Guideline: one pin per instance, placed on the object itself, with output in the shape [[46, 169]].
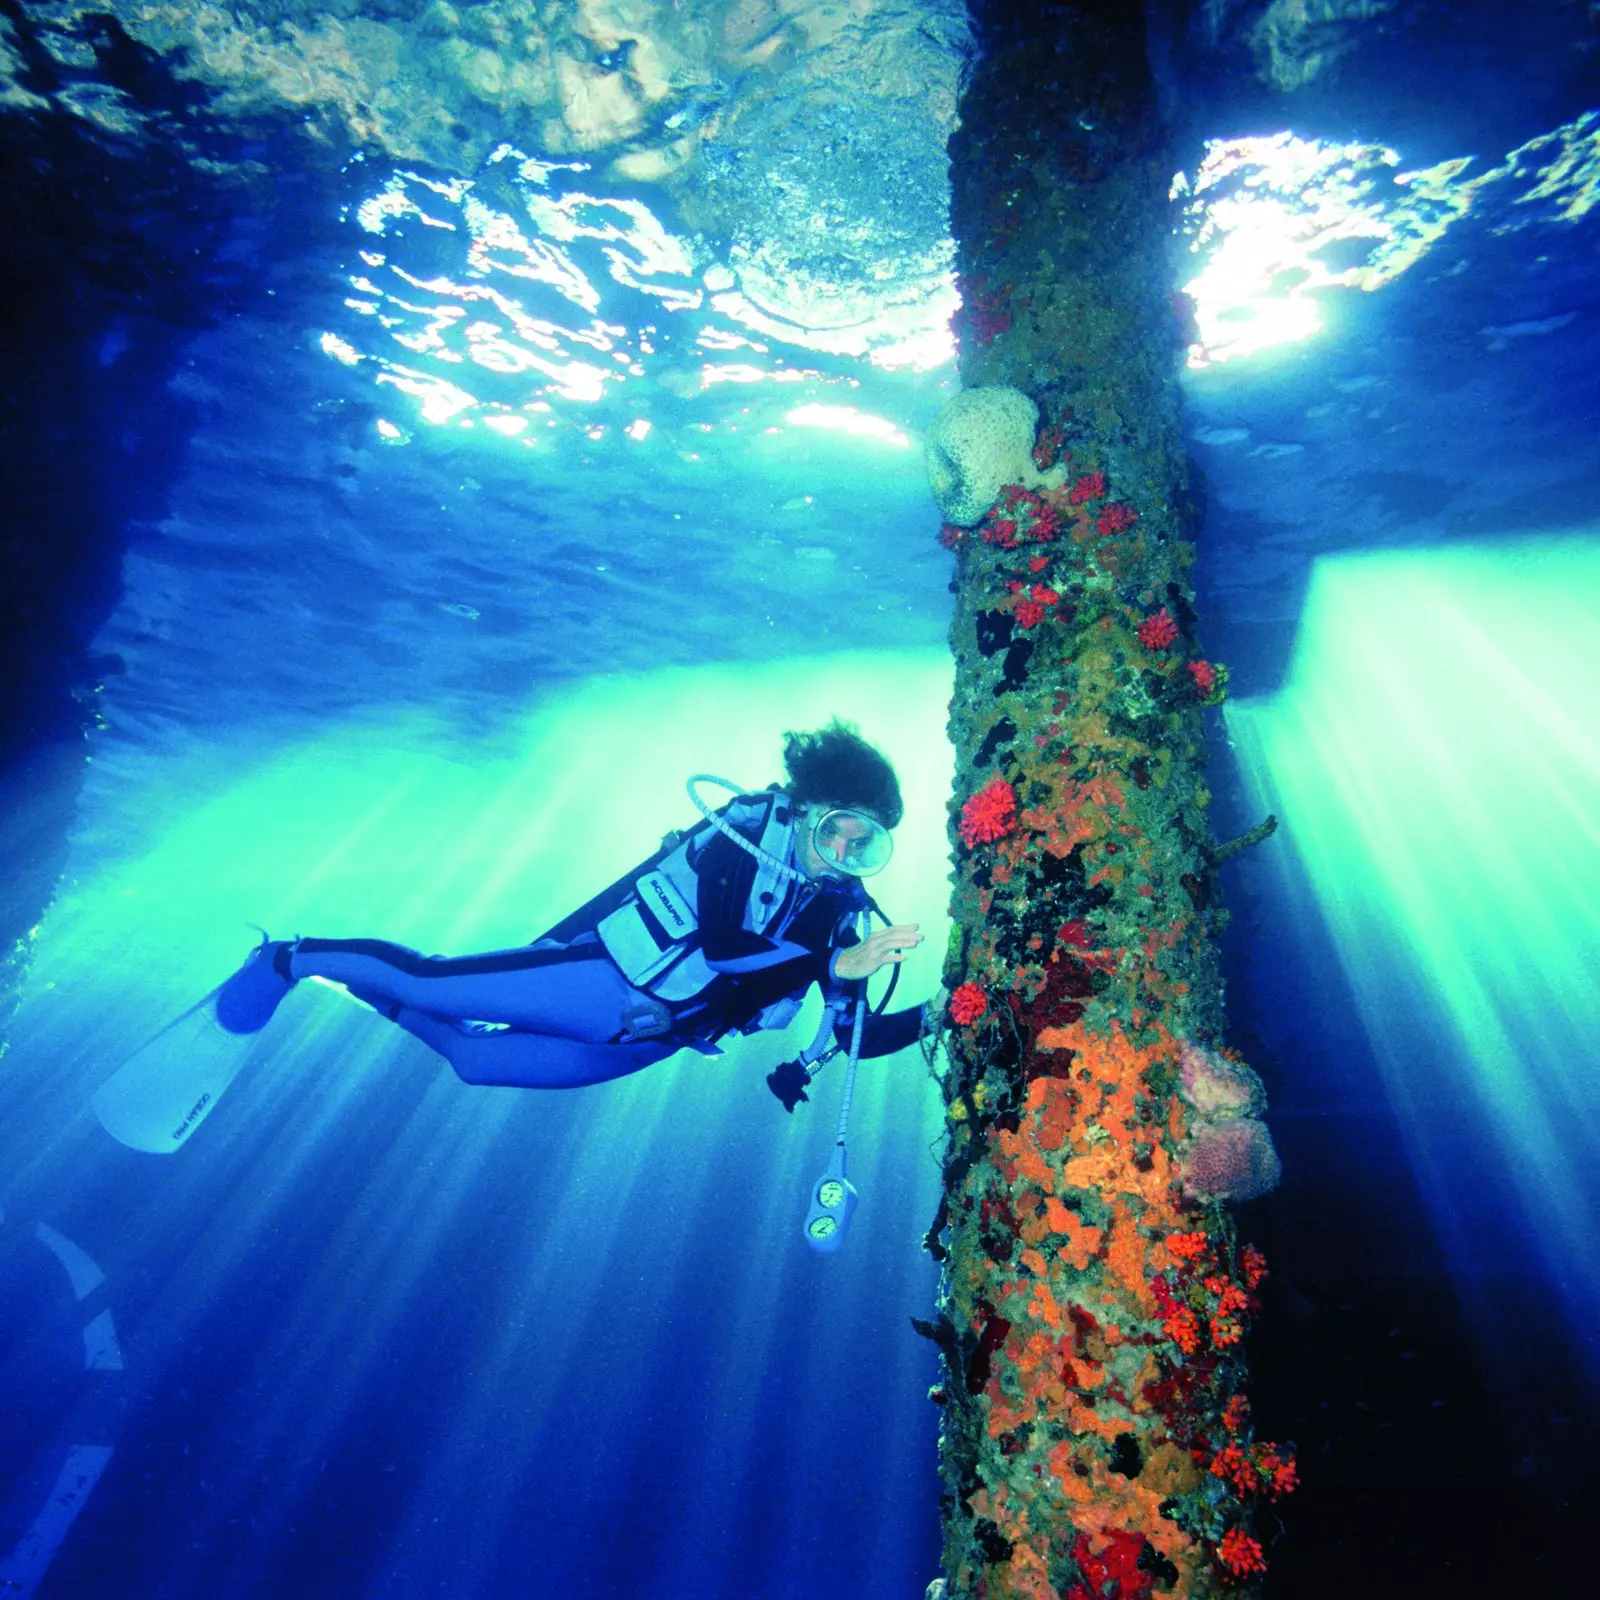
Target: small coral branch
[[1217, 854]]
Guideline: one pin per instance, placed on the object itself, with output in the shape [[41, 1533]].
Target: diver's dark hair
[[836, 766]]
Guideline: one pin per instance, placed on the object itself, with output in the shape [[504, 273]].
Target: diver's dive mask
[[851, 842]]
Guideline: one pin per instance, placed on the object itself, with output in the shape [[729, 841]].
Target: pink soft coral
[[1228, 1154], [1216, 1086], [1230, 1159]]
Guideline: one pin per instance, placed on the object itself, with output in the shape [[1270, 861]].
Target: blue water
[[464, 520]]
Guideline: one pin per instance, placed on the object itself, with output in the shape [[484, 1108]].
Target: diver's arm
[[882, 1035], [856, 958]]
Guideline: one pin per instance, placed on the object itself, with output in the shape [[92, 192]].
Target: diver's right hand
[[880, 949]]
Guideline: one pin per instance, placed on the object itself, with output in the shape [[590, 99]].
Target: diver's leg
[[573, 991], [512, 1058]]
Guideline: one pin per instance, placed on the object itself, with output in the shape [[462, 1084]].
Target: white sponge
[[981, 441]]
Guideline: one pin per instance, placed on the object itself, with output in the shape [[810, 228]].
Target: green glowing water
[[1435, 760]]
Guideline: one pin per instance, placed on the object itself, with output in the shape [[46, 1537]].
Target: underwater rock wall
[[1096, 1439], [114, 253]]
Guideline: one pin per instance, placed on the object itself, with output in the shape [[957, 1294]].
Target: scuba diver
[[725, 929]]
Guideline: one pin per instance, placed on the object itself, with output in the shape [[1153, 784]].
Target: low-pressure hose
[[855, 1061], [728, 831], [894, 975], [833, 1196]]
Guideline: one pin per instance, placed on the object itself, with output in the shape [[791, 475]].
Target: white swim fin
[[157, 1098]]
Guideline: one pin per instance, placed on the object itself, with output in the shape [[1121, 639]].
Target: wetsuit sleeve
[[726, 875], [881, 1036]]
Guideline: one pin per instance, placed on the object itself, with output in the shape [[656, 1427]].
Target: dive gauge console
[[833, 1203]]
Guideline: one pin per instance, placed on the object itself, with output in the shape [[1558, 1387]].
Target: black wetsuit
[[552, 1014]]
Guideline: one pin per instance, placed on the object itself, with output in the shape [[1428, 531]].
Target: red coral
[[1001, 531], [1116, 518], [1183, 1329], [967, 1004], [1204, 675], [988, 814], [1260, 1469], [1089, 487], [1235, 1413], [1241, 1554], [1188, 1246], [1048, 448], [985, 312], [1157, 632], [1038, 563], [1226, 1330], [1282, 1476], [950, 535], [1043, 521], [1233, 1465], [1113, 1570], [1252, 1267], [1030, 611], [1231, 1299]]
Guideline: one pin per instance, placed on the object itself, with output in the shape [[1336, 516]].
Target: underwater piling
[[1096, 1441]]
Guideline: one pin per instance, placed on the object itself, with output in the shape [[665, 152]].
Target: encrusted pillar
[[1096, 1440]]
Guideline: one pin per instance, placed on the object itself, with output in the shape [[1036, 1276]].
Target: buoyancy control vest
[[654, 935]]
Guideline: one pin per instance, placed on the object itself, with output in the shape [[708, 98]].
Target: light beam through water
[[491, 1302], [1435, 760]]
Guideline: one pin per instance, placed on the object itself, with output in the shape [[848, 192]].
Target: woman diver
[[724, 930]]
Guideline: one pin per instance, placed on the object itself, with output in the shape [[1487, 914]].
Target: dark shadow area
[[117, 249], [1444, 1427], [1437, 77]]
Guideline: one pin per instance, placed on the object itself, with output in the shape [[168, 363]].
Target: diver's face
[[821, 857]]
